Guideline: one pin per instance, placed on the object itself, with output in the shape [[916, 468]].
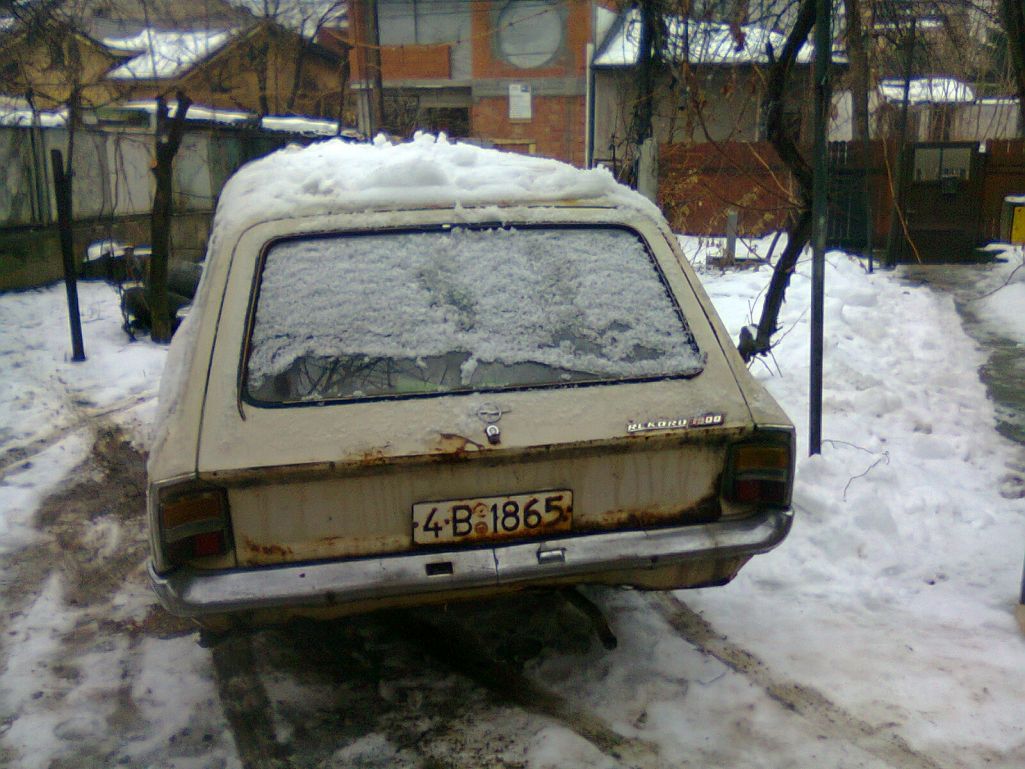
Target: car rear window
[[407, 313]]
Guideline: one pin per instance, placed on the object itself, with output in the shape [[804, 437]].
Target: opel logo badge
[[489, 413]]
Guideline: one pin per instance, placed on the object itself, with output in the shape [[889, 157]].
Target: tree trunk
[[1013, 12], [297, 75], [643, 108], [648, 57], [168, 140], [374, 76], [343, 85], [785, 145], [857, 55], [260, 56], [896, 212]]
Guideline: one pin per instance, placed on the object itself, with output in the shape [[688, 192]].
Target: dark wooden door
[[942, 202]]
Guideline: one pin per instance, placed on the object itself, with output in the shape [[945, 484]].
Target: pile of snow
[[1003, 307], [894, 593], [428, 171]]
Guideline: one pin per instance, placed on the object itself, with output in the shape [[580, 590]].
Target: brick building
[[510, 73]]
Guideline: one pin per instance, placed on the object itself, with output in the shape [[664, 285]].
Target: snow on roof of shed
[[293, 124], [15, 111], [336, 176], [296, 124], [928, 90], [707, 42], [163, 54]]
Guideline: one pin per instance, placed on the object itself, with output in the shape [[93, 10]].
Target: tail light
[[760, 471], [193, 523]]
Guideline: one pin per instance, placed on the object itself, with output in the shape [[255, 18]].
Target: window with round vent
[[529, 32]]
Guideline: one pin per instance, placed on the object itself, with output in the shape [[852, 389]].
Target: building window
[[933, 164], [404, 114]]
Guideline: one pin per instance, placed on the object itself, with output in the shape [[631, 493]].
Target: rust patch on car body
[[376, 456], [273, 551], [704, 510], [456, 445]]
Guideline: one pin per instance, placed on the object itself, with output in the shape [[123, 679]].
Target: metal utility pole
[[823, 61], [62, 191]]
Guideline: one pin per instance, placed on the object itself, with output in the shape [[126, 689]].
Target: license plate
[[486, 519]]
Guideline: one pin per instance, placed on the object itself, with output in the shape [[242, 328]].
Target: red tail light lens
[[760, 471], [193, 524]]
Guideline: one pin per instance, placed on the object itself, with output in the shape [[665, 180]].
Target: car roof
[[429, 172]]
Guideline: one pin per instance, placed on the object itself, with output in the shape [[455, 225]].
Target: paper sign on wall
[[519, 101]]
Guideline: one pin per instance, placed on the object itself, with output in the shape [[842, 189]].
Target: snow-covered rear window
[[404, 313]]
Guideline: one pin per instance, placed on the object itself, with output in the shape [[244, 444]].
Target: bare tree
[[782, 138], [859, 79], [169, 133], [1013, 16], [651, 48], [304, 18]]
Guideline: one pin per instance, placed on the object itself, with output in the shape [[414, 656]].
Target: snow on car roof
[[427, 172]]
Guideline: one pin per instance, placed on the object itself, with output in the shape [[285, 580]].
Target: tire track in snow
[[246, 705], [92, 540], [297, 693], [460, 649], [85, 418], [882, 742]]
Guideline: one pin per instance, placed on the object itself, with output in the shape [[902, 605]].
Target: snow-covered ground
[[880, 634]]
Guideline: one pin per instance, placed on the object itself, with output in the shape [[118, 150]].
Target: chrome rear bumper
[[196, 593]]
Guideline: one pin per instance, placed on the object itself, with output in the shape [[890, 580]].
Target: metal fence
[[112, 190], [111, 169]]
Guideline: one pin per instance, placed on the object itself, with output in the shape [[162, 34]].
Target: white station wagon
[[430, 372]]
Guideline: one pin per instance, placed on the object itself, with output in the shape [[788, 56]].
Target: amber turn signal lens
[[761, 458], [194, 524], [759, 472], [193, 509]]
